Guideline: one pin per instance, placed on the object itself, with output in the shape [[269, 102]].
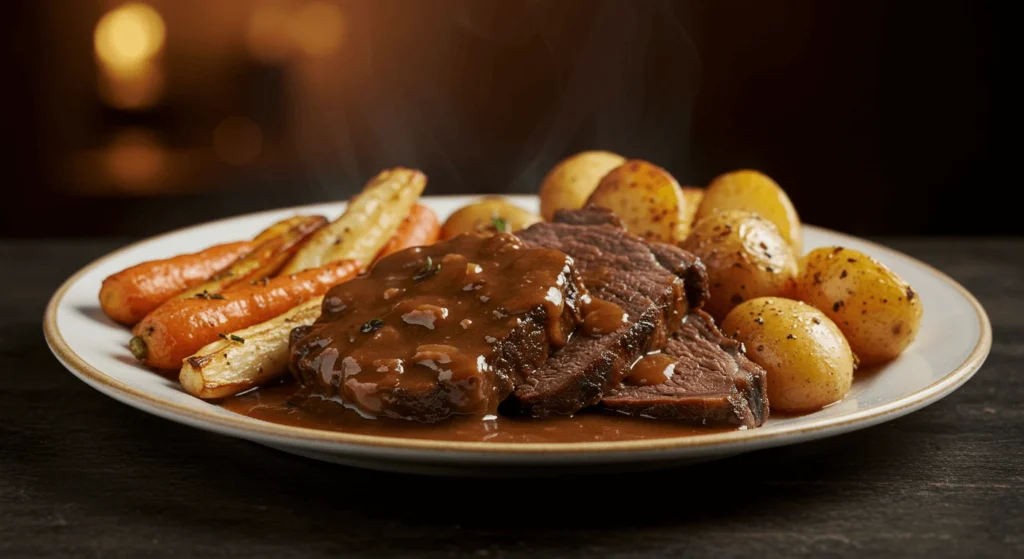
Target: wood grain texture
[[82, 475]]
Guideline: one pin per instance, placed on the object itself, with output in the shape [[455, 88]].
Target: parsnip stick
[[370, 220], [228, 366]]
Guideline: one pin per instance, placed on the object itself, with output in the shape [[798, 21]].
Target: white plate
[[954, 340]]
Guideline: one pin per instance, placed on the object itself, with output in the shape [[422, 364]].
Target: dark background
[[876, 117]]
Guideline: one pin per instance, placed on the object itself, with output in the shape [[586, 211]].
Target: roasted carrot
[[265, 260], [421, 227], [181, 327], [131, 294]]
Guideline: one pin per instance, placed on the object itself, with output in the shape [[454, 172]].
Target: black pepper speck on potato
[[877, 310]]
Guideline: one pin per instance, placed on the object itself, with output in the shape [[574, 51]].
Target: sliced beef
[[688, 268], [617, 267], [683, 264], [442, 330], [589, 215], [712, 381]]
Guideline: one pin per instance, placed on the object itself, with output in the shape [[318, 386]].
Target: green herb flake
[[427, 270], [500, 224], [238, 339], [371, 325], [207, 295]]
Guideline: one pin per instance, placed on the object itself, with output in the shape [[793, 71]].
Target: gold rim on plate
[[288, 434]]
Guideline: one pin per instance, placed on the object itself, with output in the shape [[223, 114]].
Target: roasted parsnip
[[246, 358], [283, 226], [369, 221]]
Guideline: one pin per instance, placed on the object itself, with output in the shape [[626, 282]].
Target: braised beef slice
[[435, 331], [687, 267], [712, 382], [588, 215], [683, 264], [616, 266]]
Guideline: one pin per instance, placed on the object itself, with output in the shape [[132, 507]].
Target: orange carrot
[[181, 327], [421, 227], [131, 294], [265, 260]]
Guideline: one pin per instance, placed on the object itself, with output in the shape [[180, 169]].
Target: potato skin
[[808, 361], [479, 217], [877, 310], [756, 192], [692, 197], [646, 198], [745, 256], [569, 184]]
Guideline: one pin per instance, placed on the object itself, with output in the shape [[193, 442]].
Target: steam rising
[[487, 96]]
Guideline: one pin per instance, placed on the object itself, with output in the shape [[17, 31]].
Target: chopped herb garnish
[[207, 295], [499, 224], [371, 325], [231, 337], [428, 270]]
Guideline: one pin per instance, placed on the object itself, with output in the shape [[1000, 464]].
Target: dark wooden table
[[82, 475]]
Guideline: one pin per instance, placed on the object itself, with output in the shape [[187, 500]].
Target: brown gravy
[[601, 317], [651, 369], [436, 331], [289, 404]]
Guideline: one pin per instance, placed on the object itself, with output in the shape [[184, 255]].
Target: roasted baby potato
[[746, 257], [645, 197], [488, 215], [692, 197], [570, 183], [877, 310], [753, 191], [808, 361]]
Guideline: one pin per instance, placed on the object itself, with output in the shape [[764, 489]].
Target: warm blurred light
[[127, 41], [318, 27], [129, 36], [237, 140], [136, 160], [132, 90], [267, 34]]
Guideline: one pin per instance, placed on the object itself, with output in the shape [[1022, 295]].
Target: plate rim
[[245, 427]]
